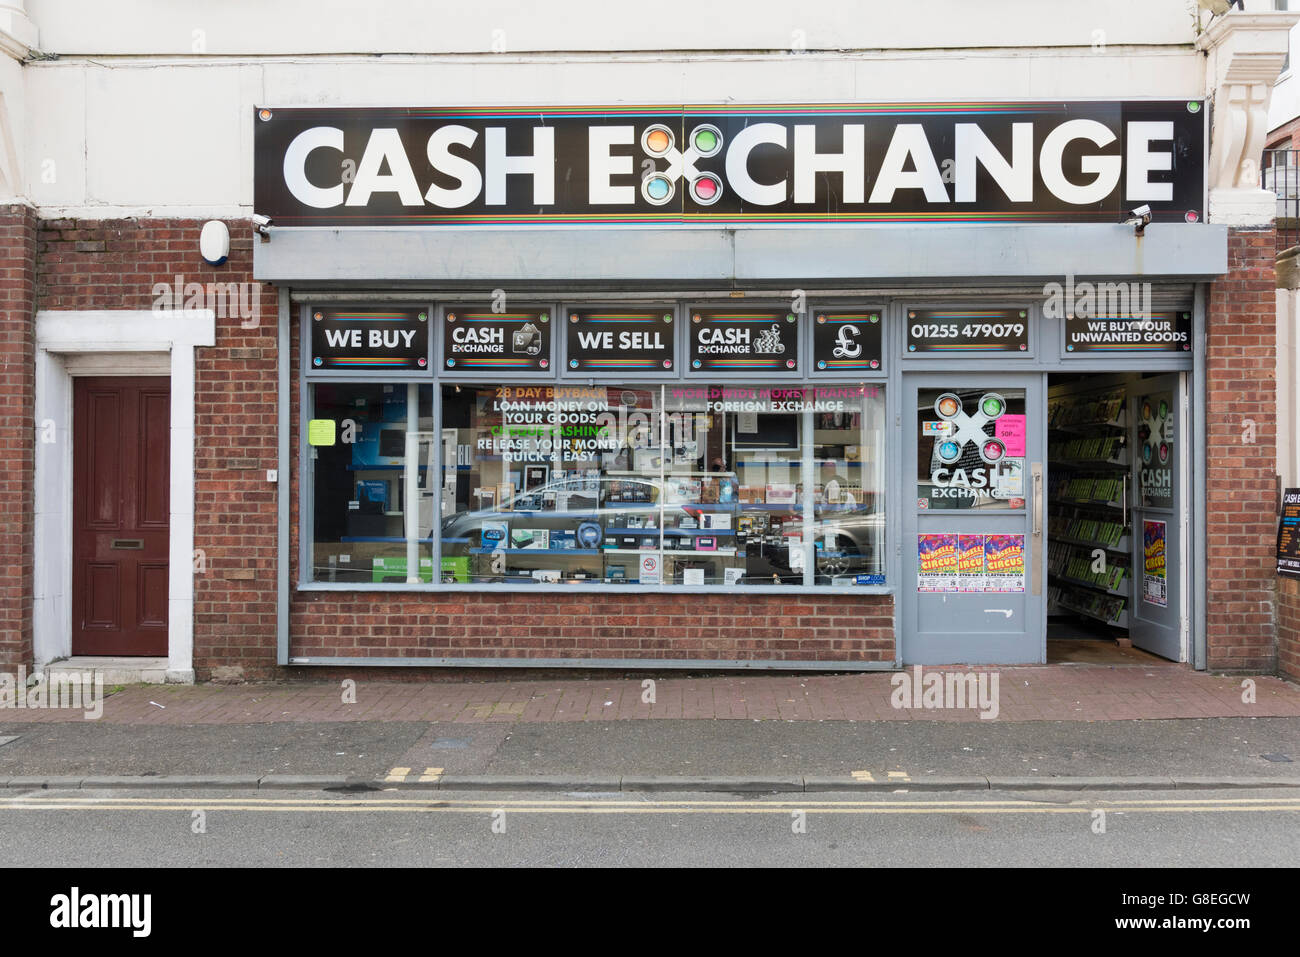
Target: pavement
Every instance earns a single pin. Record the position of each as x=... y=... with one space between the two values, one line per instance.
x=1071 y=727
x=1037 y=693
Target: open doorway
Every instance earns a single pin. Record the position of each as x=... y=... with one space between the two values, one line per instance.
x=1114 y=536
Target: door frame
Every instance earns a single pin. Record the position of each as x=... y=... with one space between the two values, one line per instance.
x=128 y=342
x=1035 y=492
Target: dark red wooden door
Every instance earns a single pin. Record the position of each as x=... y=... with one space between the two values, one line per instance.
x=121 y=481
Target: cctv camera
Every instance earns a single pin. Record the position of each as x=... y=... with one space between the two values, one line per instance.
x=1139 y=219
x=261 y=224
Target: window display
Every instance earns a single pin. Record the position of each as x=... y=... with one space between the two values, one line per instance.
x=369 y=457
x=663 y=485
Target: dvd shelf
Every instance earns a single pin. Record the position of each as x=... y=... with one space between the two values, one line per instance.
x=1088 y=557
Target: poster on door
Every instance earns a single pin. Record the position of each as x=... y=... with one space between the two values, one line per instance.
x=1155 y=568
x=1004 y=563
x=970 y=563
x=936 y=562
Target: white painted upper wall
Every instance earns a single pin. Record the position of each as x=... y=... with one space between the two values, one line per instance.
x=129 y=120
x=274 y=27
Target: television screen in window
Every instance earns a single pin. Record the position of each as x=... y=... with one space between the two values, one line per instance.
x=775 y=431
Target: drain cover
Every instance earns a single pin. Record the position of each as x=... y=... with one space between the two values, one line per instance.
x=1276 y=757
x=450 y=743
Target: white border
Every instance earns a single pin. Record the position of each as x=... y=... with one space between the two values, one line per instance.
x=59 y=336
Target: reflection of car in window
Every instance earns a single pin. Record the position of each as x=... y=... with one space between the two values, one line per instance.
x=847 y=537
x=558 y=504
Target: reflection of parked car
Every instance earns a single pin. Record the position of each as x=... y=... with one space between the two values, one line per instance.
x=561 y=504
x=849 y=541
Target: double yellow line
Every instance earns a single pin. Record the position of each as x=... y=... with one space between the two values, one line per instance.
x=648 y=805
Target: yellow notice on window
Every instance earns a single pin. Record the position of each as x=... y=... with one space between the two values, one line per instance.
x=320 y=432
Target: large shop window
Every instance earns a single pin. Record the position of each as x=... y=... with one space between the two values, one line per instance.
x=663 y=485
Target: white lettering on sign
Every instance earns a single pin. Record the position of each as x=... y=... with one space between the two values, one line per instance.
x=723 y=336
x=470 y=334
x=390 y=338
x=908 y=163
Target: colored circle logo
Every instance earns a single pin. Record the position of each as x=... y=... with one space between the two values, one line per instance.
x=657 y=140
x=947 y=405
x=949 y=451
x=992 y=451
x=707 y=139
x=657 y=189
x=992 y=404
x=706 y=189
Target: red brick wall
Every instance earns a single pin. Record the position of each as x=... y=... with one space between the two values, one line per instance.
x=1241 y=484
x=1288 y=627
x=483 y=625
x=114 y=264
x=17 y=432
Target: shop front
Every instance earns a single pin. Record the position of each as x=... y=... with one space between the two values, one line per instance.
x=823 y=387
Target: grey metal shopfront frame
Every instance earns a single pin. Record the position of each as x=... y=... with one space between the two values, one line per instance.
x=1180 y=255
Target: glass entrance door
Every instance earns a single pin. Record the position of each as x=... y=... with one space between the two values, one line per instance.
x=1158 y=440
x=973 y=527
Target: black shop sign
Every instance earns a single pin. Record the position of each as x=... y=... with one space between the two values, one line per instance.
x=620 y=340
x=846 y=342
x=949 y=331
x=1156 y=332
x=1288 y=534
x=480 y=340
x=383 y=340
x=744 y=341
x=575 y=166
